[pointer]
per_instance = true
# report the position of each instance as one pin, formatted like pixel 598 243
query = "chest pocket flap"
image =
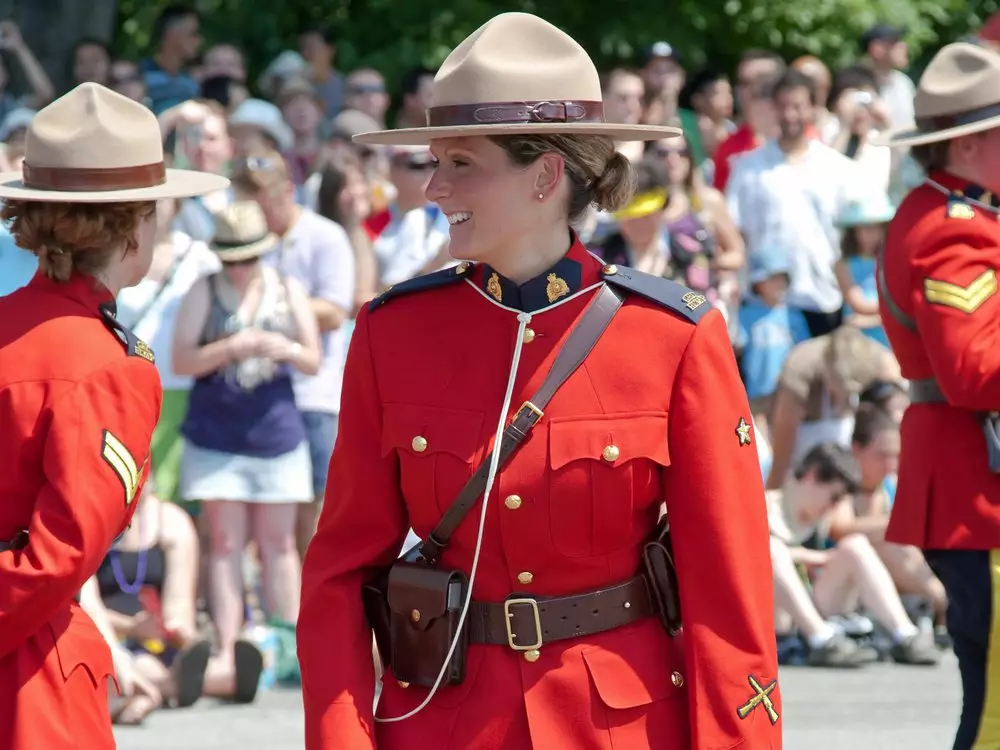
pixel 612 439
pixel 423 431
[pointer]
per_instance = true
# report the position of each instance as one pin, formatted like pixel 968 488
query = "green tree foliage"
pixel 393 35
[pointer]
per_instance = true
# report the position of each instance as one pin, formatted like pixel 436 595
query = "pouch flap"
pixel 636 672
pixel 419 592
pixel 634 435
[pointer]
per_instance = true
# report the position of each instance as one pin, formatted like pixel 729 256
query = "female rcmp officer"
pixel 79 397
pixel 655 414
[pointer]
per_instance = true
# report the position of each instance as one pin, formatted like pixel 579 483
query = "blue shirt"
pixel 165 89
pixel 863 272
pixel 767 335
pixel 17 266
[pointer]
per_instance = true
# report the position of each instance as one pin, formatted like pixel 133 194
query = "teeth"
pixel 459 218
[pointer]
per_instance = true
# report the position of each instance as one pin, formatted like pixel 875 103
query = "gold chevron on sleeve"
pixel 965 298
pixel 122 464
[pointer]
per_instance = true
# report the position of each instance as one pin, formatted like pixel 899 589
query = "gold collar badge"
pixel 493 287
pixel 556 288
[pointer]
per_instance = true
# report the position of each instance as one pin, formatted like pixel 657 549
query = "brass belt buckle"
pixel 509 615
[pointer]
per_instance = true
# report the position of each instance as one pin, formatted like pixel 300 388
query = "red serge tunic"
pixel 78 404
pixel 424 384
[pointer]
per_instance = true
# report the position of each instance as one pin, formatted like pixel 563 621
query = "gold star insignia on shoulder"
pixel 743 432
pixel 761 697
pixel 967 299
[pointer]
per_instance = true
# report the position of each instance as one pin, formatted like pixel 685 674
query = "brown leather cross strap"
pixel 86 179
pixel 581 341
pixel 527 623
pixel 513 113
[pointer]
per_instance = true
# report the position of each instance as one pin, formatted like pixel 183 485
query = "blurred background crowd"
pixel 773 205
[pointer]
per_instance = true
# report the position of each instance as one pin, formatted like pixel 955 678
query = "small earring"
pixel 541 196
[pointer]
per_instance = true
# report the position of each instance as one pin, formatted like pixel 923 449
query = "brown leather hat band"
pixel 514 113
pixel 86 179
pixel 958 119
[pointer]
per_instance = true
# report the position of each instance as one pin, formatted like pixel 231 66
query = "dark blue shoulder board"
pixel 421 283
pixel 675 297
pixel 134 346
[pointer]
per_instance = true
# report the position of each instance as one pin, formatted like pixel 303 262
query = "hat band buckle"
pixel 515 113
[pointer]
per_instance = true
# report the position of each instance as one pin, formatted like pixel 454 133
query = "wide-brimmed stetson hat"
pixel 958 94
pixel 516 74
pixel 241 233
pixel 93 145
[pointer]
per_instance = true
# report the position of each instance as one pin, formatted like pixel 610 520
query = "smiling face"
pixel 490 202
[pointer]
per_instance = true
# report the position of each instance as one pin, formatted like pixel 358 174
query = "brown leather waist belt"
pixel 926 391
pixel 525 623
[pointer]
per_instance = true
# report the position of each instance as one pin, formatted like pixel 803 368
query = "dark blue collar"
pixel 560 281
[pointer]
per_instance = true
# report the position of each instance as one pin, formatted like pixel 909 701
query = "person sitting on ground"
pixel 876 448
pixel 145 591
pixel 842 576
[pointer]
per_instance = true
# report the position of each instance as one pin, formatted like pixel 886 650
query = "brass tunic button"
pixel 677 678
pixel 525 578
pixel 462 267
pixel 610 270
pixel 419 443
pixel 610 453
pixel 529 335
pixel 415 615
pixel 513 502
pixel 402 684
pixel 533 655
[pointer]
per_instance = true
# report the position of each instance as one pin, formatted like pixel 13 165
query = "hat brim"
pixel 179 183
pixel 910 135
pixel 246 252
pixel 423 136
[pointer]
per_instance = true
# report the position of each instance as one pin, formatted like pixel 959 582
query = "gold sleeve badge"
pixel 967 299
pixel 122 464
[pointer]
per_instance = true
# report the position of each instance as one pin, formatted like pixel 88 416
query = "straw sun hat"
pixel 241 233
pixel 93 145
pixel 958 94
pixel 517 74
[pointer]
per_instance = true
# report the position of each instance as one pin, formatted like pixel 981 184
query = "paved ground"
pixel 880 708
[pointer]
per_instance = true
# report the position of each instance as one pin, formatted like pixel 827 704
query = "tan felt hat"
pixel 958 94
pixel 93 145
pixel 241 233
pixel 517 74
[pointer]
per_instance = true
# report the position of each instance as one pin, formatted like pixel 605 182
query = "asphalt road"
pixel 883 707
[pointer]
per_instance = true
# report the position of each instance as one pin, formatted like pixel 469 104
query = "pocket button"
pixel 419 443
pixel 610 453
pixel 677 678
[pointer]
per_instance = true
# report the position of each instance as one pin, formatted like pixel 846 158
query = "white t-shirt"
pixel 150 308
pixel 409 242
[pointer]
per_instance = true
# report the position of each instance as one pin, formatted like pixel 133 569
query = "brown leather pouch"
pixel 425 605
pixel 661 576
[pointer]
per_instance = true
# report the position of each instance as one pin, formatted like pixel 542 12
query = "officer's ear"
pixel 549 169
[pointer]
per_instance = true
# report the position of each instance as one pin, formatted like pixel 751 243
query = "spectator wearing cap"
pixel 289 64
pixel 317 253
pixel 863 224
pixel 415 239
pixel 885 50
pixel 177 38
pixel 318 46
pixel 663 77
pixel 790 192
pixel 769 329
pixel 257 124
pixel 364 90
pixel 416 97
pixel 755 76
pixel 818 390
pixel 302 109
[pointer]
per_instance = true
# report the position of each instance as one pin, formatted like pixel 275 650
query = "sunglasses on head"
pixel 259 164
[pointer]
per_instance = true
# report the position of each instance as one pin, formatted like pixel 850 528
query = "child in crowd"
pixel 864 224
pixel 768 329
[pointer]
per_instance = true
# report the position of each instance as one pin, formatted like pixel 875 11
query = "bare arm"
pixel 365 269
pixel 180 547
pixel 787 413
pixel 329 317
pixel 731 252
pixel 307 357
pixel 189 356
pixel 852 292
pixel 42 89
pixel 844 521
